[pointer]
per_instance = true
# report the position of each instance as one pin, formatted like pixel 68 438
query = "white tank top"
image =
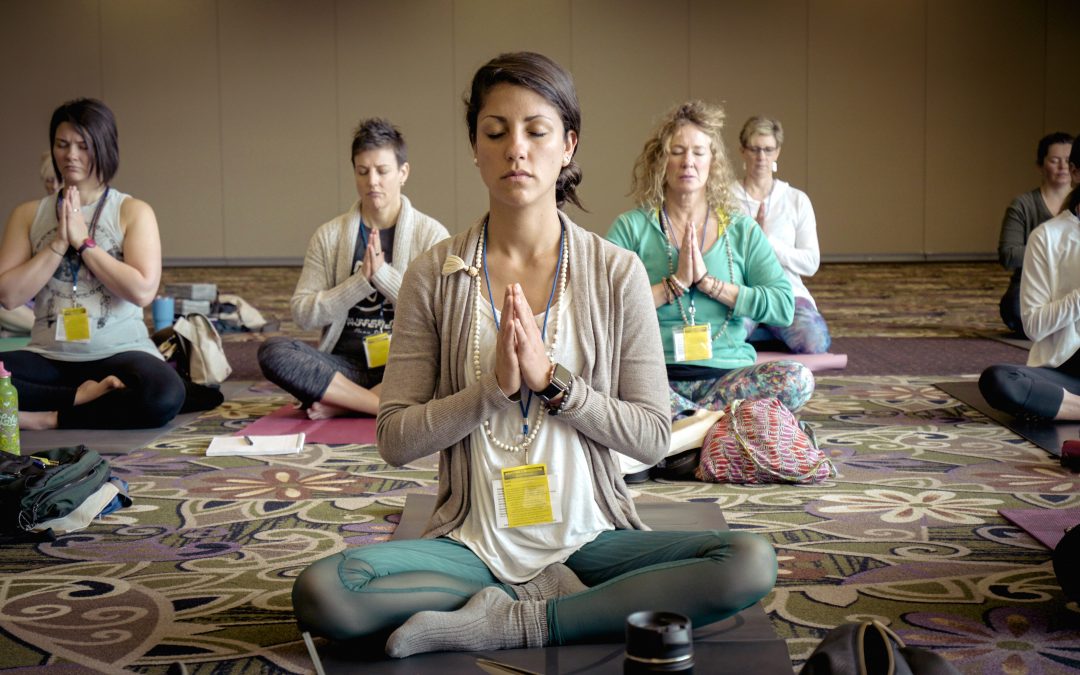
pixel 116 325
pixel 518 554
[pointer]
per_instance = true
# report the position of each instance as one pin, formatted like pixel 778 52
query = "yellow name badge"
pixel 527 495
pixel 74 325
pixel 377 349
pixel 693 343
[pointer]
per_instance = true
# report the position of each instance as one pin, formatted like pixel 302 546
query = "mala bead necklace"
pixel 478 264
pixel 669 232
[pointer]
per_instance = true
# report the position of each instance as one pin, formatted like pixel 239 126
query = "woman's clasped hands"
pixel 72 230
pixel 691 263
pixel 520 354
pixel 373 256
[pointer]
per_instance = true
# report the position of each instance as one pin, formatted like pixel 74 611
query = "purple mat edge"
pixel 1047 533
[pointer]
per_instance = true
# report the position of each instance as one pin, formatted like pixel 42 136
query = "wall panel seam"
pixel 221 125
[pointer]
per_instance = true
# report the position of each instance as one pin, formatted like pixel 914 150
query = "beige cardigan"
pixel 620 401
pixel 327 287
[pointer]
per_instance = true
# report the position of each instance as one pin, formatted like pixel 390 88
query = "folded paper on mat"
pixel 282 444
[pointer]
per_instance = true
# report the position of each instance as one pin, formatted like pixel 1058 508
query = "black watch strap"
pixel 560 383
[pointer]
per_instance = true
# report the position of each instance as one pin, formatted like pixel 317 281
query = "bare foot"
pixel 324 411
pixel 37 420
pixel 90 390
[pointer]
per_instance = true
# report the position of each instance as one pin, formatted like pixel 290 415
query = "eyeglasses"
pixel 756 150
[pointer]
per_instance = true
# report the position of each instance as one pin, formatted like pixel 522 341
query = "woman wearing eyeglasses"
pixel 786 217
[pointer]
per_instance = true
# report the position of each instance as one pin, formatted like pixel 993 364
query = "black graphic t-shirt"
pixel 375 313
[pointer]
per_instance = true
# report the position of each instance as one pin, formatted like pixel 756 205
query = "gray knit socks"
pixel 554 581
pixel 489 620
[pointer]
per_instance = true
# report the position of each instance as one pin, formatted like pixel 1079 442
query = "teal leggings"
pixel 707 576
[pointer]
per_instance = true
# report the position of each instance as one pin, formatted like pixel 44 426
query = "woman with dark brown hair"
pixel 90 257
pixel 528 355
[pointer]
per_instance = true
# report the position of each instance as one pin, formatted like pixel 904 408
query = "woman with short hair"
pixel 90 257
pixel 786 216
pixel 350 283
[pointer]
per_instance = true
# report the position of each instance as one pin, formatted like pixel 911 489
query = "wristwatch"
pixel 88 243
pixel 560 384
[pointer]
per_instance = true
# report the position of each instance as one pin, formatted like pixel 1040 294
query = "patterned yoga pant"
pixel 305 372
pixel 807 334
pixel 371 590
pixel 789 381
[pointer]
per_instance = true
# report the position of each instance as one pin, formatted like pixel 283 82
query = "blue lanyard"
pixel 75 262
pixel 527 402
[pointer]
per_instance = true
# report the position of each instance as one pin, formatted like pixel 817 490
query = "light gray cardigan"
pixel 619 401
pixel 327 287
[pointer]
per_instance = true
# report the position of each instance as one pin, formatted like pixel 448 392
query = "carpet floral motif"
pixel 199 569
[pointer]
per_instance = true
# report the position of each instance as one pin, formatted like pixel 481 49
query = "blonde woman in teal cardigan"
pixel 709 266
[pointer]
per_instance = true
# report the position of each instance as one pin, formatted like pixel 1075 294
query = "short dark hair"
pixel 97 126
pixel 376 132
pixel 1050 139
pixel 543 76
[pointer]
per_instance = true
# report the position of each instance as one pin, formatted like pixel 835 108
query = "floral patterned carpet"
pixel 198 570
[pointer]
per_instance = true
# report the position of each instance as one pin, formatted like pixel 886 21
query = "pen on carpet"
pixel 247 439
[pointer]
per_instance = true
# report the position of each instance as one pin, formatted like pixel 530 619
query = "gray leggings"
pixel 305 372
pixel 370 590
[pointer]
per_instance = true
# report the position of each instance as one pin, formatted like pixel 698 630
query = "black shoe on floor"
pixel 637 477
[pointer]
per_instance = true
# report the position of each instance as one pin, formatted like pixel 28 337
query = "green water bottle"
pixel 9 413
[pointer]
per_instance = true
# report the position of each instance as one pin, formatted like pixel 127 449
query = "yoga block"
pixel 185 306
pixel 203 291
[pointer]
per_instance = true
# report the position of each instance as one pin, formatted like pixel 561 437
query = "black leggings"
pixel 151 397
pixel 1022 390
pixel 305 372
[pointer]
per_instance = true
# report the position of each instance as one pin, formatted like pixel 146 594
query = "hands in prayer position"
pixel 520 355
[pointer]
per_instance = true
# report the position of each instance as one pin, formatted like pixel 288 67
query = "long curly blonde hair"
pixel 649 177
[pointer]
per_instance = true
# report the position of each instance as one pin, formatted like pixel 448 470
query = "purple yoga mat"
pixel 291 420
pixel 814 362
pixel 1046 525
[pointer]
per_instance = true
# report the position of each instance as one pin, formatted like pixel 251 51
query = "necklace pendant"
pixel 524 428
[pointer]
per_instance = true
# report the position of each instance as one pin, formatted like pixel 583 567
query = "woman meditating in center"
pixel 710 266
pixel 528 355
pixel 350 284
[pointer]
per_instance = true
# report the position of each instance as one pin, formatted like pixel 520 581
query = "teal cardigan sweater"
pixel 765 294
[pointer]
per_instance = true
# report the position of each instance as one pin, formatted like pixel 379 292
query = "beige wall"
pixel 910 123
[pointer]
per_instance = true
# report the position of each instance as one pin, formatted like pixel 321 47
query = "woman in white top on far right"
pixel 787 218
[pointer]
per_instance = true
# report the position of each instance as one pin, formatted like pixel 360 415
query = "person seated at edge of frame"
pixel 527 352
pixel 1074 165
pixel 1049 386
pixel 350 283
pixel 710 266
pixel 90 257
pixel 785 215
pixel 1029 210
pixel 18 321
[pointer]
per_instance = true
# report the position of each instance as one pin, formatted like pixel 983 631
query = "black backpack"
pixel 47 485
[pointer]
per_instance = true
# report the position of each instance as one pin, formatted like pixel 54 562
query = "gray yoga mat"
pixel 113 441
pixel 744 643
pixel 1049 436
